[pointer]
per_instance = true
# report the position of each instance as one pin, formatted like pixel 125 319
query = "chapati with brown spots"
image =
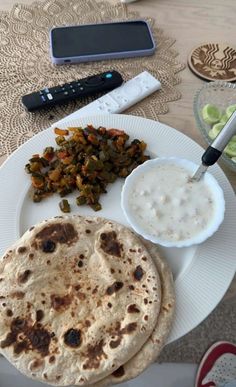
pixel 153 346
pixel 82 313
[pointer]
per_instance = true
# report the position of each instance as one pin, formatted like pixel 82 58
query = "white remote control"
pixel 119 99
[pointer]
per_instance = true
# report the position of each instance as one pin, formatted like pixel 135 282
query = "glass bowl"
pixel 220 94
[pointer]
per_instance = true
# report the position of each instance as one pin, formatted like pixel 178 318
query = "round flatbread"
pixel 78 298
pixel 153 346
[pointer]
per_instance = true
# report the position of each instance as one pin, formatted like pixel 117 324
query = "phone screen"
pixel 100 39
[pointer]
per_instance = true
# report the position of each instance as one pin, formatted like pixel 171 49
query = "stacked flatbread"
pixel 83 301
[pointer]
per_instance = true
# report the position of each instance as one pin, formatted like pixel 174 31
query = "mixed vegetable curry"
pixel 87 160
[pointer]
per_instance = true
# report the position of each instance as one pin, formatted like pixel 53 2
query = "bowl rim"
pixel 191 166
pixel 218 83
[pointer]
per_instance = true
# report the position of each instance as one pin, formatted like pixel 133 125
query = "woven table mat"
pixel 25 65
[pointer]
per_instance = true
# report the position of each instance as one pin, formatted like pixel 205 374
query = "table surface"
pixel 190 23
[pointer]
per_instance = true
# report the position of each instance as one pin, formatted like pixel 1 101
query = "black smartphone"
pixel 90 42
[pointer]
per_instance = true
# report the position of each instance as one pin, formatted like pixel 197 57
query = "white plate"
pixel 202 274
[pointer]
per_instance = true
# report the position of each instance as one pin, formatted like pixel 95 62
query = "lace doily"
pixel 25 64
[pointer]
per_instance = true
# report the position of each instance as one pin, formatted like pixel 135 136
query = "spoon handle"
pixel 214 151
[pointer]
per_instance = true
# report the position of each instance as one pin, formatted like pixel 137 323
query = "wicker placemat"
pixel 25 64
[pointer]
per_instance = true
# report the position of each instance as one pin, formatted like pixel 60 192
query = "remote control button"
pixel 46 90
pixel 65 93
pixel 41 92
pixel 50 97
pixel 61 90
pixel 108 76
pixel 43 98
pixel 73 90
pixel 81 88
pixel 94 81
pixel 66 86
pixel 132 91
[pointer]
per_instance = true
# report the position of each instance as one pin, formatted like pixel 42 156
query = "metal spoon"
pixel 214 151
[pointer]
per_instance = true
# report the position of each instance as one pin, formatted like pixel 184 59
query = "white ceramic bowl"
pixel 210 181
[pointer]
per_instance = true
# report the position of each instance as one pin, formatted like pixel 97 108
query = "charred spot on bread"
pixel 22 249
pixel 17 294
pixel 133 309
pixel 138 273
pixel 35 338
pixel 52 359
pixel 119 372
pixel 39 315
pixel 115 343
pixel 115 287
pixel 48 246
pixel 73 338
pixel 36 364
pixel 59 302
pixel 94 355
pixel 49 236
pixel 110 244
pixel 23 277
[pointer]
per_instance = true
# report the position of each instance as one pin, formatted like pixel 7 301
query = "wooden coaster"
pixel 214 61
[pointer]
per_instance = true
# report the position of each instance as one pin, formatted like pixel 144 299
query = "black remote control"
pixel 73 90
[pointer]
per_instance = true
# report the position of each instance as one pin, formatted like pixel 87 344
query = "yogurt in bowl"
pixel 163 205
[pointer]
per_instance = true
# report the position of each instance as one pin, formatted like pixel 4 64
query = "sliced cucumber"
pixel 211 114
pixel 224 119
pixel 217 128
pixel 230 110
pixel 230 149
pixel 211 134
